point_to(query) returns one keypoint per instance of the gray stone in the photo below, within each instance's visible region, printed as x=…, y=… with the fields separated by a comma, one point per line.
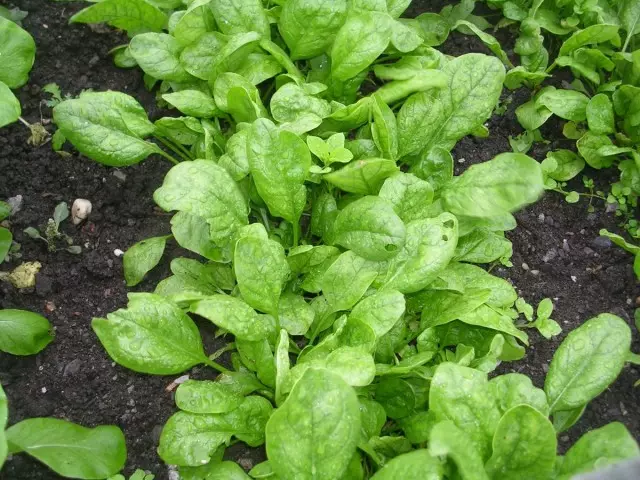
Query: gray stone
x=601, y=243
x=72, y=367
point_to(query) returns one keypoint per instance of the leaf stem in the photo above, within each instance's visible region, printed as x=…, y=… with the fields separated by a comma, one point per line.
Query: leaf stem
x=551, y=67
x=161, y=152
x=215, y=365
x=171, y=146
x=24, y=122
x=626, y=43
x=296, y=233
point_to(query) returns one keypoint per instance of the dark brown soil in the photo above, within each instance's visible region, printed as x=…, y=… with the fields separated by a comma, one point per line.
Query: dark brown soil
x=73, y=378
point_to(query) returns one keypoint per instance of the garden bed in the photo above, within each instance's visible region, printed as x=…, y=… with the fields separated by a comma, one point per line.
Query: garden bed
x=557, y=254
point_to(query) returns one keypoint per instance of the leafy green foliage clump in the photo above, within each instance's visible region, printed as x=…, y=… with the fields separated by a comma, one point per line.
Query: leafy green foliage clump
x=338, y=247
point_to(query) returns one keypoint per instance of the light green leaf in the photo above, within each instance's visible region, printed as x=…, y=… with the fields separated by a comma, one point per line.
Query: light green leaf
x=132, y=15
x=515, y=389
x=302, y=112
x=483, y=246
x=587, y=361
x=594, y=34
x=142, y=257
x=346, y=281
x=68, y=449
x=197, y=21
x=10, y=109
x=261, y=269
x=200, y=57
x=240, y=16
x=23, y=332
x=193, y=233
x=629, y=14
x=158, y=54
x=462, y=276
x=193, y=103
x=309, y=26
x=417, y=465
x=207, y=397
x=567, y=104
x=409, y=195
x=589, y=145
x=108, y=127
x=152, y=335
x=370, y=228
x=440, y=307
x=598, y=448
x=429, y=246
x=235, y=316
x=321, y=417
x=600, y=114
x=524, y=446
x=205, y=189
x=443, y=116
x=364, y=177
x=384, y=129
x=502, y=185
x=279, y=162
x=359, y=42
x=190, y=439
x=461, y=394
x=381, y=311
x=5, y=243
x=568, y=164
x=448, y=439
x=18, y=52
x=295, y=314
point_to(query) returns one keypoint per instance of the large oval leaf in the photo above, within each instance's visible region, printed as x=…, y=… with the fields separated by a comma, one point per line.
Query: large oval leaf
x=587, y=361
x=279, y=162
x=23, y=333
x=190, y=439
x=370, y=228
x=443, y=116
x=18, y=52
x=502, y=185
x=132, y=15
x=152, y=336
x=320, y=420
x=108, y=127
x=69, y=449
x=205, y=189
x=524, y=446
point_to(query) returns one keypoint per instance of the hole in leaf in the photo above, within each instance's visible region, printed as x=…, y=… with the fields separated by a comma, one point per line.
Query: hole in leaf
x=445, y=238
x=391, y=247
x=448, y=224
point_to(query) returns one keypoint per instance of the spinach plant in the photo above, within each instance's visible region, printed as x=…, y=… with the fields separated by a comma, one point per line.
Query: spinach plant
x=338, y=248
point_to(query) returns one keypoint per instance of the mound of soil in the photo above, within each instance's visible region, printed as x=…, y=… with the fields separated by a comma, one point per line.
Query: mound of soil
x=557, y=254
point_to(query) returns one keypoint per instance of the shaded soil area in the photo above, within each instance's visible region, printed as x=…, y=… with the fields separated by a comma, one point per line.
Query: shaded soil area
x=74, y=379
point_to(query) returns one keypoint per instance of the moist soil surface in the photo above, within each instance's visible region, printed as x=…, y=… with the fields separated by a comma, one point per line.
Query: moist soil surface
x=557, y=254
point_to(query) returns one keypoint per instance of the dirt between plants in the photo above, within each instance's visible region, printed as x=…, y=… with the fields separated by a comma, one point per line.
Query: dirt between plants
x=557, y=254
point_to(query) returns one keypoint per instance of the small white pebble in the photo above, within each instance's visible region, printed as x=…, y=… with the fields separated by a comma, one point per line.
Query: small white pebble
x=629, y=301
x=462, y=160
x=118, y=253
x=574, y=278
x=525, y=266
x=80, y=210
x=41, y=368
x=541, y=217
x=113, y=364
x=535, y=272
x=44, y=390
